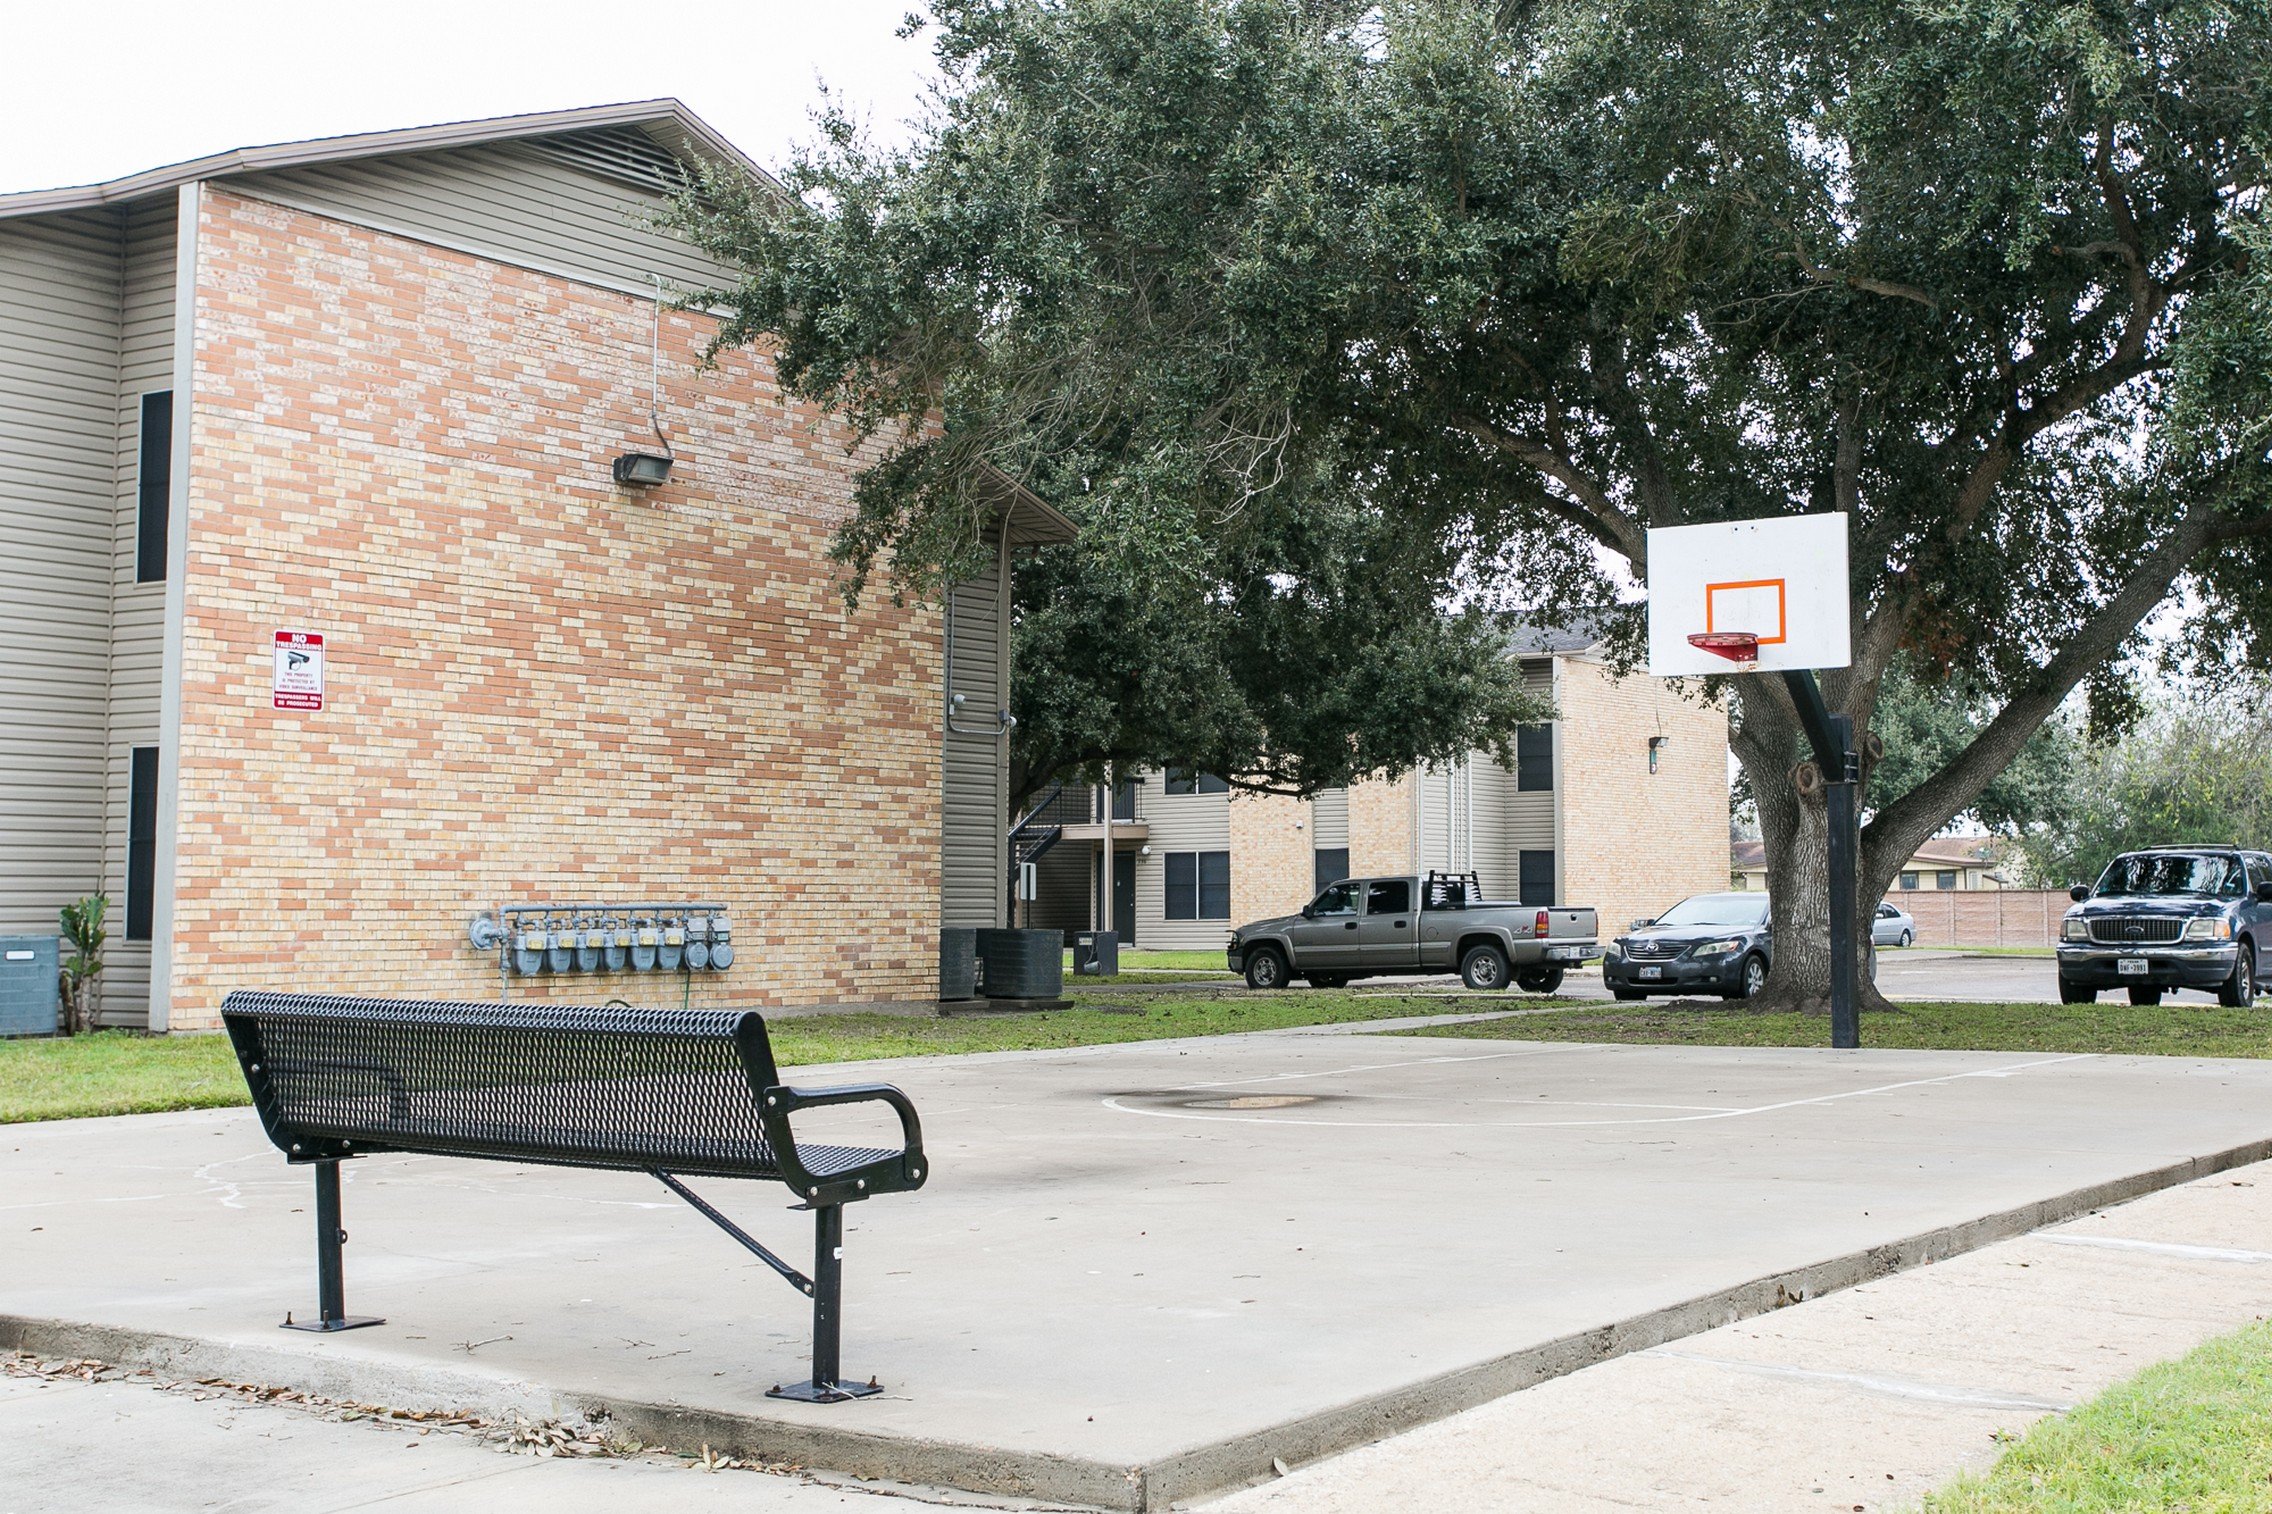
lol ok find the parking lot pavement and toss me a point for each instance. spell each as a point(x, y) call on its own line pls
point(1904, 973)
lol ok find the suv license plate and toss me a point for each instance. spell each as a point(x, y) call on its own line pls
point(2133, 967)
point(1649, 972)
point(1565, 954)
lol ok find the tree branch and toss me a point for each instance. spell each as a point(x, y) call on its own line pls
point(1899, 828)
point(1587, 505)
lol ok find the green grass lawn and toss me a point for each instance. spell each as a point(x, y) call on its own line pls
point(116, 1072)
point(2195, 1433)
point(1182, 961)
point(2166, 1030)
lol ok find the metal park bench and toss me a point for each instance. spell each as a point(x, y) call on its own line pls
point(675, 1094)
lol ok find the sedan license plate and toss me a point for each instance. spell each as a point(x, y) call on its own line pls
point(1648, 972)
point(2133, 967)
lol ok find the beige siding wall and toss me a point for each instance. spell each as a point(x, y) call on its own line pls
point(1636, 842)
point(974, 819)
point(138, 610)
point(505, 200)
point(59, 344)
point(1179, 823)
point(1329, 819)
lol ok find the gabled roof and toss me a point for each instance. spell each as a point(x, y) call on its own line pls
point(670, 123)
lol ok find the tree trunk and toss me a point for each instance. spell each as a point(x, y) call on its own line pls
point(1794, 826)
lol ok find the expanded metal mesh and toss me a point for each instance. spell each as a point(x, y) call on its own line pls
point(575, 1085)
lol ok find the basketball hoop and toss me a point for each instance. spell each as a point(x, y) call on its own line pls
point(1738, 647)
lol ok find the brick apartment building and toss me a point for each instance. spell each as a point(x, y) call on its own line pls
point(1621, 803)
point(370, 390)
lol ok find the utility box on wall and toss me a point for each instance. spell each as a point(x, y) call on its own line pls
point(30, 998)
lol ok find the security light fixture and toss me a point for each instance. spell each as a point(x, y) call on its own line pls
point(1657, 744)
point(643, 470)
point(646, 470)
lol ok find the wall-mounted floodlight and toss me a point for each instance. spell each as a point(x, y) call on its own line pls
point(643, 470)
point(646, 470)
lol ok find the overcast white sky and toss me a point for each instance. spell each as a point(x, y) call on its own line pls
point(100, 88)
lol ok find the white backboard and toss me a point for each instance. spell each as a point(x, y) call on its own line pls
point(1782, 578)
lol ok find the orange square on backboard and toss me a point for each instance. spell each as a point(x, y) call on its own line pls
point(1744, 601)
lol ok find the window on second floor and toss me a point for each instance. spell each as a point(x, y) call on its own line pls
point(1534, 757)
point(153, 487)
point(1191, 781)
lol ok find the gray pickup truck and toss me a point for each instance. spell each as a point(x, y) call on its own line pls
point(1370, 927)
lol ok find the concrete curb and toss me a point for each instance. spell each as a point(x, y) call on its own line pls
point(1193, 1473)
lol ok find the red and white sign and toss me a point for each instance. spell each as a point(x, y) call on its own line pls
point(299, 670)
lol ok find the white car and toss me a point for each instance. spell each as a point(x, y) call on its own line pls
point(1893, 927)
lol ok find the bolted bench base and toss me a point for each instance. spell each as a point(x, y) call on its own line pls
point(331, 1271)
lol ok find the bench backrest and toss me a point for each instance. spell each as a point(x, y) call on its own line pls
point(574, 1084)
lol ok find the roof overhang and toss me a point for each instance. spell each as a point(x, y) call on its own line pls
point(668, 120)
point(1027, 520)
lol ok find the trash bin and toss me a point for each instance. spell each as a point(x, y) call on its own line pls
point(958, 962)
point(1096, 953)
point(1021, 964)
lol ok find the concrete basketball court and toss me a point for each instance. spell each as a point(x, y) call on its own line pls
point(1140, 1273)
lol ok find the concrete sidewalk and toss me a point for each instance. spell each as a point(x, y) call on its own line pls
point(1143, 1272)
point(1866, 1399)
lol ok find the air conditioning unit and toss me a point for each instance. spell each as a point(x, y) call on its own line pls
point(31, 1001)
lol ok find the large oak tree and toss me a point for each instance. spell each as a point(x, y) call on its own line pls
point(1313, 312)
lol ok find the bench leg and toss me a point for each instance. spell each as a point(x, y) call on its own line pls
point(331, 1278)
point(826, 1386)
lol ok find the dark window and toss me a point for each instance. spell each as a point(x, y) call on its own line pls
point(1123, 803)
point(1337, 899)
point(1388, 896)
point(1186, 781)
point(1535, 886)
point(141, 842)
point(1332, 865)
point(1908, 880)
point(1214, 885)
point(154, 480)
point(1534, 757)
point(1945, 878)
point(1199, 885)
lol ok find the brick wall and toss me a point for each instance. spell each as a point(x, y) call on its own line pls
point(1380, 826)
point(1984, 917)
point(1273, 870)
point(540, 686)
point(1636, 842)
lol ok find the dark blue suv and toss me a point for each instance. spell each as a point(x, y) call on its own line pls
point(2169, 917)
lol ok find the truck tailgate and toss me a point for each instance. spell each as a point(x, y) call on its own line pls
point(1571, 925)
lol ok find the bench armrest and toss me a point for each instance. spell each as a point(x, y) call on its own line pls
point(903, 1172)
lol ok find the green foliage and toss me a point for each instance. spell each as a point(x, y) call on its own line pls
point(1305, 294)
point(1925, 728)
point(83, 929)
point(117, 1072)
point(2198, 770)
point(2195, 1433)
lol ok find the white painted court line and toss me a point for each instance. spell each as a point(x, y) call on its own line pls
point(2162, 1248)
point(1114, 1102)
point(1891, 1387)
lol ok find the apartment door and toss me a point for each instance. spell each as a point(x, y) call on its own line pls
point(1123, 893)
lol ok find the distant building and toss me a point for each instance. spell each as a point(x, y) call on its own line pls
point(1966, 863)
point(1620, 803)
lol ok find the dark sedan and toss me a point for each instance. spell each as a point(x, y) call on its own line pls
point(2168, 918)
point(1708, 943)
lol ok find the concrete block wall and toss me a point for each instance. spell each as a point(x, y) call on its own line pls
point(540, 685)
point(1635, 842)
point(1984, 917)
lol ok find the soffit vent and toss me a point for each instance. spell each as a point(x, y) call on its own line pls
point(622, 153)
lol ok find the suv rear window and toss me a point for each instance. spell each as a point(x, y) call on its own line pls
point(2210, 875)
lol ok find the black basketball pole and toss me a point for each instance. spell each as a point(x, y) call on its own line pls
point(1833, 739)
